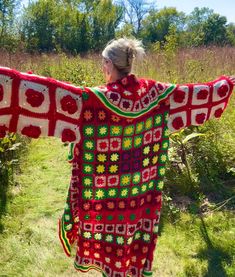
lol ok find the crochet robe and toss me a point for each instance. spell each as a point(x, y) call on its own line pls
point(120, 138)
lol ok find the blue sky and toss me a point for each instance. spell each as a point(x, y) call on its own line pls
point(224, 7)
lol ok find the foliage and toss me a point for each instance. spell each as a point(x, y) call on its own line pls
point(81, 26)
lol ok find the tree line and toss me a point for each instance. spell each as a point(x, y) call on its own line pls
point(80, 26)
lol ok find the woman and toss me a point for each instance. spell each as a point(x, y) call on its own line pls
point(120, 137)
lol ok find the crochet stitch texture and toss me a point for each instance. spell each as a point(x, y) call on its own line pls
point(119, 135)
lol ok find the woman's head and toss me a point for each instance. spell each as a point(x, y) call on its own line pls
point(118, 57)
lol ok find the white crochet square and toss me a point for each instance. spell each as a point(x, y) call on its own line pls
point(217, 85)
point(213, 109)
point(195, 112)
point(62, 125)
point(60, 94)
point(175, 105)
point(5, 120)
point(42, 89)
point(25, 121)
point(6, 83)
point(183, 115)
point(197, 89)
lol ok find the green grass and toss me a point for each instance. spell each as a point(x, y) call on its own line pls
point(29, 244)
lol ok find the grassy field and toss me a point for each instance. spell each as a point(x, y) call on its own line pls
point(195, 245)
point(29, 244)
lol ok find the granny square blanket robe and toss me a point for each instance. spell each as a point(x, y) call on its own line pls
point(119, 135)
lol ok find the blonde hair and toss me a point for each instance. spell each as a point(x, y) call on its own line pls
point(122, 52)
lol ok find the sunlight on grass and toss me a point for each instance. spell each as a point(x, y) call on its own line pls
point(30, 246)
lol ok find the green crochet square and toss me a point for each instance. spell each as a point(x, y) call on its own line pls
point(88, 157)
point(129, 130)
point(88, 168)
point(157, 120)
point(103, 131)
point(100, 194)
point(165, 144)
point(125, 180)
point(89, 144)
point(89, 131)
point(115, 131)
point(123, 192)
point(136, 178)
point(135, 191)
point(87, 194)
point(138, 141)
point(127, 143)
point(87, 181)
point(149, 124)
point(139, 128)
point(112, 193)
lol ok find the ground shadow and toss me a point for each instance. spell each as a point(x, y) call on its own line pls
point(215, 255)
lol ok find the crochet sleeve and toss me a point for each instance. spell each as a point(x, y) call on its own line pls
point(37, 106)
point(194, 104)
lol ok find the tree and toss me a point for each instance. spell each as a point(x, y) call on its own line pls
point(215, 30)
point(158, 23)
point(135, 12)
point(7, 9)
point(38, 29)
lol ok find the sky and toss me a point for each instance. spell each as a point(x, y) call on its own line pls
point(224, 7)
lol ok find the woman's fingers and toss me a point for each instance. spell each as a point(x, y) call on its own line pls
point(232, 78)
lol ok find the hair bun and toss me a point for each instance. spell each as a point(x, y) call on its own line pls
point(122, 52)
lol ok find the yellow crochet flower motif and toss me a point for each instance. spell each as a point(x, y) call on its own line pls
point(87, 235)
point(146, 162)
point(139, 127)
point(102, 158)
point(87, 169)
point(87, 182)
point(124, 192)
point(116, 130)
point(113, 168)
point(103, 130)
point(88, 194)
point(148, 123)
point(138, 141)
point(136, 178)
point(135, 190)
point(154, 159)
point(151, 184)
point(112, 192)
point(167, 132)
point(160, 184)
point(158, 119)
point(127, 143)
point(114, 157)
point(163, 158)
point(156, 147)
point(89, 131)
point(162, 171)
point(146, 150)
point(129, 130)
point(99, 193)
point(89, 144)
point(126, 180)
point(165, 145)
point(100, 168)
point(88, 156)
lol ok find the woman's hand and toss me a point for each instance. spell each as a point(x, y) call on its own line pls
point(232, 78)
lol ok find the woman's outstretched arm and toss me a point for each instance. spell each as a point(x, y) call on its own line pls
point(39, 106)
point(194, 104)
